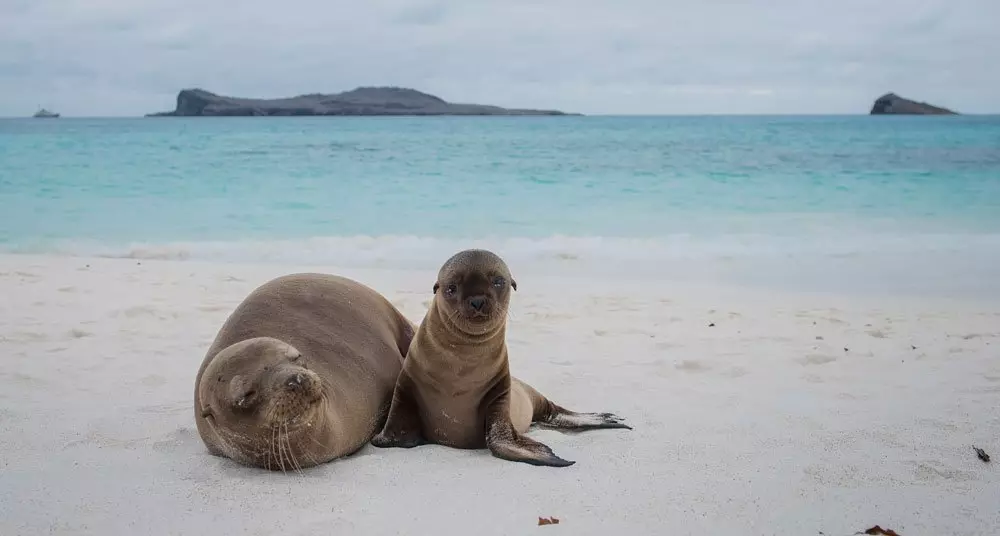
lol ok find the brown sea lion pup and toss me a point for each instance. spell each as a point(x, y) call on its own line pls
point(456, 389)
point(301, 373)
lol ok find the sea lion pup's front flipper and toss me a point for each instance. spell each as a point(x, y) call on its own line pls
point(402, 425)
point(548, 414)
point(506, 443)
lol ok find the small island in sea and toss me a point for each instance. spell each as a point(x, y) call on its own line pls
point(892, 104)
point(362, 101)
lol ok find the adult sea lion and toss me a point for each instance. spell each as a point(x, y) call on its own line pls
point(301, 373)
point(456, 389)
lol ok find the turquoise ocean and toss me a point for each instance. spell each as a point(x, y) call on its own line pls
point(824, 203)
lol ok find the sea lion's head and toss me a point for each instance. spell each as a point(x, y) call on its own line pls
point(263, 402)
point(473, 291)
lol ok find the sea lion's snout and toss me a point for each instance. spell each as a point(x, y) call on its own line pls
point(478, 308)
point(300, 382)
point(477, 303)
point(295, 382)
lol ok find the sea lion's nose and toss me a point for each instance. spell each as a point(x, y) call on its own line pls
point(477, 302)
point(295, 381)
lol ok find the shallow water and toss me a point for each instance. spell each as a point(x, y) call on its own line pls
point(852, 202)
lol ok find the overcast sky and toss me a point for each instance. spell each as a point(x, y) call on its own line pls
point(129, 57)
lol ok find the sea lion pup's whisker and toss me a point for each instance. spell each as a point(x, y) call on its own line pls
point(454, 363)
point(315, 355)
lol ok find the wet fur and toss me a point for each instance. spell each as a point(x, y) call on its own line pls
point(456, 389)
point(301, 373)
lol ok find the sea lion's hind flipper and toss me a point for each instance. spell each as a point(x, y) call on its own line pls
point(402, 426)
point(548, 414)
point(563, 419)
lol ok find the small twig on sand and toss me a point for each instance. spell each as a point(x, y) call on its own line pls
point(981, 454)
point(880, 531)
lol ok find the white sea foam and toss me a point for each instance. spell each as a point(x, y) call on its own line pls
point(934, 263)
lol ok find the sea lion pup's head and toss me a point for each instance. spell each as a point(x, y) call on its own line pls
point(473, 291)
point(263, 402)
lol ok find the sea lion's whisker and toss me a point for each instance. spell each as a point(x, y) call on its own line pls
point(283, 450)
point(268, 458)
point(277, 446)
point(310, 457)
point(291, 454)
point(270, 445)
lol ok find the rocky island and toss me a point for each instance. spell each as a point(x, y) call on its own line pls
point(892, 104)
point(362, 101)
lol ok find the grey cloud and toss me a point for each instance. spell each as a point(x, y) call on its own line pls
point(120, 57)
point(426, 14)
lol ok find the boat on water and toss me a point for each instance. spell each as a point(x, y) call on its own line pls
point(43, 113)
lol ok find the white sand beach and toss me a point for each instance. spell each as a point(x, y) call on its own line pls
point(755, 412)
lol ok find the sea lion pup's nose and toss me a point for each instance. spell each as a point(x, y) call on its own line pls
point(477, 302)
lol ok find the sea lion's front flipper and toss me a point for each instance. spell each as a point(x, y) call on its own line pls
point(507, 444)
point(402, 426)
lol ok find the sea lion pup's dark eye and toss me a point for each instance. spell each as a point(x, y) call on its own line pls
point(499, 282)
point(451, 289)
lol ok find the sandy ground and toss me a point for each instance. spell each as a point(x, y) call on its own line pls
point(755, 412)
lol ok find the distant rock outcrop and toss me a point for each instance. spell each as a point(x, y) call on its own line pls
point(360, 101)
point(892, 104)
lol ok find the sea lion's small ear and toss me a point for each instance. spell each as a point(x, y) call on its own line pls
point(436, 287)
point(513, 284)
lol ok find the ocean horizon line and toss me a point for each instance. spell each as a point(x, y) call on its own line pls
point(580, 115)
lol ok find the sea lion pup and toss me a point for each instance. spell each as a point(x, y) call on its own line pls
point(301, 373)
point(456, 389)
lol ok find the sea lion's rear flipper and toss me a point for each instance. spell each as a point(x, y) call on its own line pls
point(507, 444)
point(563, 419)
point(402, 427)
point(548, 414)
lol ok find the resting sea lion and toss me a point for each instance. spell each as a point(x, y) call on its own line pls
point(456, 389)
point(301, 373)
